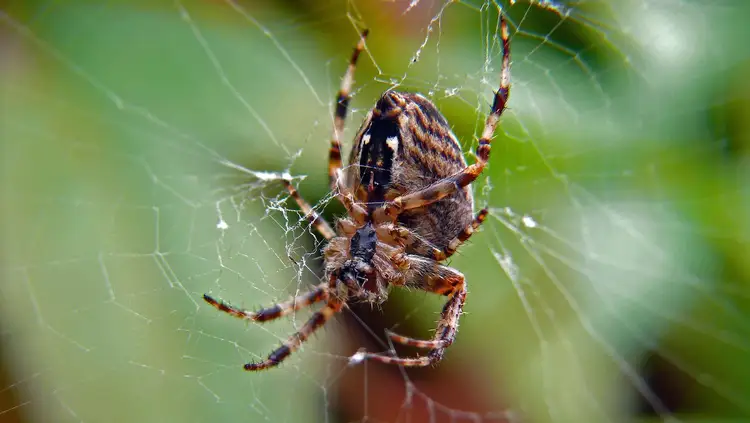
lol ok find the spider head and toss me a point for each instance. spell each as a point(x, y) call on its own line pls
point(358, 272)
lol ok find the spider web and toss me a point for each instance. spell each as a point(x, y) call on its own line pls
point(143, 147)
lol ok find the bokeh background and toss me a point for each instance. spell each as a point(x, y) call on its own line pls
point(140, 141)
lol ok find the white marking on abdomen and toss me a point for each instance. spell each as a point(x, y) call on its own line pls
point(392, 143)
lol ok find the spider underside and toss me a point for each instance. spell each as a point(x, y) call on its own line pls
point(409, 204)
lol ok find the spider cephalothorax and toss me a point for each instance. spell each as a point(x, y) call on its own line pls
point(409, 205)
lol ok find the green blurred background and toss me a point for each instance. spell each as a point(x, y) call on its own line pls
point(609, 284)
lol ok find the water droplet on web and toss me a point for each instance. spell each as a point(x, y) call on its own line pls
point(529, 221)
point(450, 92)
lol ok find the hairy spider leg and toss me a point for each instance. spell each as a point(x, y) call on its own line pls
point(456, 242)
point(440, 280)
point(449, 185)
point(393, 233)
point(318, 319)
point(342, 106)
point(445, 333)
point(316, 220)
point(353, 208)
point(317, 294)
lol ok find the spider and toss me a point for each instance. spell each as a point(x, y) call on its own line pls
point(409, 204)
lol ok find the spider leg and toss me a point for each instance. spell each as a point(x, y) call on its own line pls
point(318, 319)
point(353, 209)
point(451, 184)
point(316, 220)
point(396, 233)
point(342, 104)
point(319, 293)
point(430, 276)
point(456, 242)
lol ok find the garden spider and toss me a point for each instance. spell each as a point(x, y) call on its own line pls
point(406, 191)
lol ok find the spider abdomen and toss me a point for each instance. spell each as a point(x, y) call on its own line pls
point(405, 144)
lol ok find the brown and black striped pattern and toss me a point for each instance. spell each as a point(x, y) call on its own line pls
point(318, 294)
point(318, 319)
point(428, 193)
point(407, 134)
point(444, 337)
point(444, 281)
point(455, 182)
point(409, 205)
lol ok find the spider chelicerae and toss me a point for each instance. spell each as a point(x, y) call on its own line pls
point(409, 204)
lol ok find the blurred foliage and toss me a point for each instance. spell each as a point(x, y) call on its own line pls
point(115, 121)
